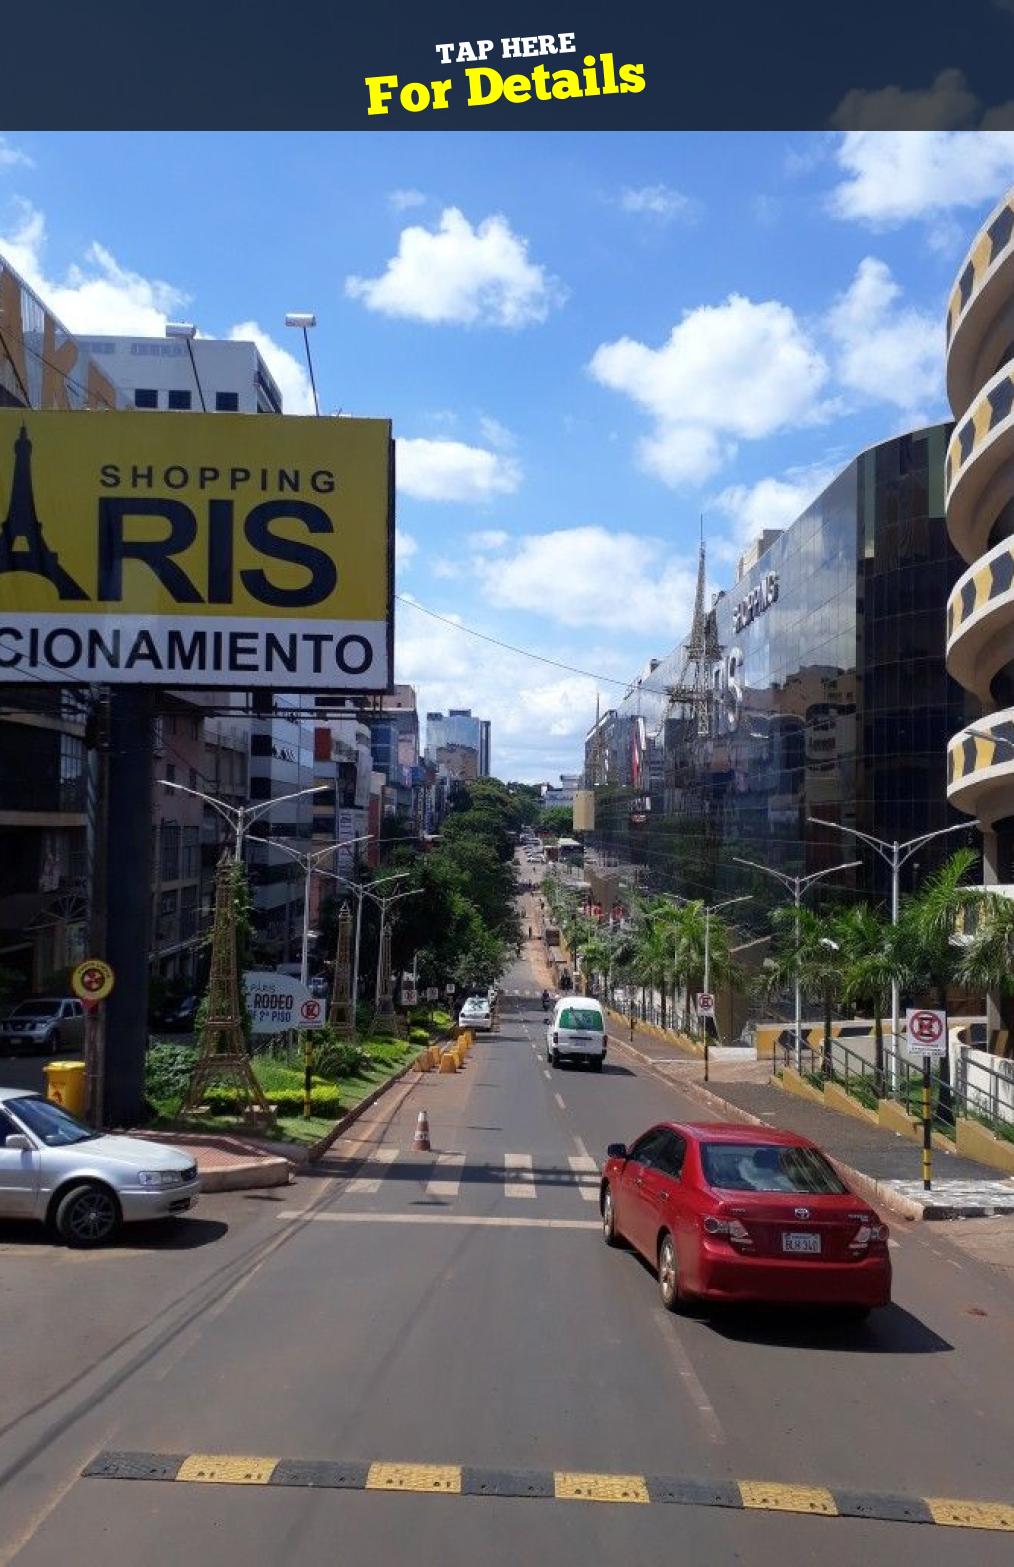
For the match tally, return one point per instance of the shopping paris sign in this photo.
(230, 550)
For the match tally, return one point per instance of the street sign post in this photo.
(449, 990)
(432, 993)
(92, 982)
(706, 1009)
(409, 994)
(926, 1035)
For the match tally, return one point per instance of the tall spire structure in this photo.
(693, 689)
(22, 546)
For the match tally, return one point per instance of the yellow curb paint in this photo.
(414, 1477)
(956, 1514)
(787, 1498)
(571, 1486)
(226, 1469)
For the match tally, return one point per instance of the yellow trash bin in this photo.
(65, 1085)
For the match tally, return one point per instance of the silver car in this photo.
(83, 1183)
(43, 1026)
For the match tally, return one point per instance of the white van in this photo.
(577, 1032)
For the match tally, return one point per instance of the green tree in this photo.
(821, 961)
(875, 957)
(556, 819)
(929, 921)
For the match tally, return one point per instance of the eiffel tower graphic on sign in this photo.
(22, 546)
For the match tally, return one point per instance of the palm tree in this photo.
(652, 964)
(820, 958)
(928, 924)
(987, 962)
(875, 957)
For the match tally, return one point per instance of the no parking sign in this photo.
(927, 1031)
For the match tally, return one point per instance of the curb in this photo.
(269, 1171)
(318, 1149)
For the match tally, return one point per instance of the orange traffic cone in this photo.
(421, 1140)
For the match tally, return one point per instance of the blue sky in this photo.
(584, 341)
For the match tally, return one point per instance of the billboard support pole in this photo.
(129, 769)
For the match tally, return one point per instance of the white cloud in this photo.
(405, 546)
(589, 576)
(659, 201)
(497, 434)
(892, 177)
(539, 715)
(12, 157)
(293, 381)
(884, 351)
(488, 540)
(96, 296)
(451, 471)
(460, 274)
(402, 200)
(737, 370)
(768, 503)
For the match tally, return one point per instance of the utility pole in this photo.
(97, 931)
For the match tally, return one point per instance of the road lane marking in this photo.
(519, 1165)
(688, 1376)
(586, 1173)
(559, 1100)
(479, 1220)
(446, 1186)
(369, 1185)
(582, 1150)
(562, 1485)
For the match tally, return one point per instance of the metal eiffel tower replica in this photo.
(22, 546)
(693, 689)
(385, 1019)
(222, 1051)
(342, 1016)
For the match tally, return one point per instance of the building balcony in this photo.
(980, 622)
(980, 315)
(979, 471)
(980, 768)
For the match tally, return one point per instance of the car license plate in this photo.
(801, 1243)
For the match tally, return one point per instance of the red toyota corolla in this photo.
(744, 1213)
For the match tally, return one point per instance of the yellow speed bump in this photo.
(414, 1477)
(226, 1469)
(787, 1498)
(971, 1515)
(575, 1487)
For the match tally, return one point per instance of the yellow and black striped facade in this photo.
(979, 495)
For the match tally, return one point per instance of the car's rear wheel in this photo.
(669, 1274)
(53, 1042)
(596, 1063)
(610, 1234)
(853, 1314)
(87, 1215)
(555, 1058)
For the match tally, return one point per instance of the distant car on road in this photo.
(83, 1183)
(179, 1018)
(742, 1213)
(43, 1026)
(318, 985)
(476, 1013)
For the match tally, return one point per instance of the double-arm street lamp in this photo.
(359, 892)
(895, 855)
(797, 885)
(310, 863)
(383, 904)
(239, 817)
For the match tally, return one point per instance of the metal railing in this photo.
(987, 1100)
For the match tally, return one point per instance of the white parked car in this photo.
(476, 1014)
(85, 1184)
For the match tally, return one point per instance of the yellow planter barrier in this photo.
(448, 1062)
(977, 1142)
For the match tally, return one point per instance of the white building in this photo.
(156, 373)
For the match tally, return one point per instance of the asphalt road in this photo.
(459, 1308)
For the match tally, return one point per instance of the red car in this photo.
(744, 1213)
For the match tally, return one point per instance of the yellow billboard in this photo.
(230, 550)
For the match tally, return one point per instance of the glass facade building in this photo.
(824, 693)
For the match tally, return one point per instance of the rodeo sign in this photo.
(277, 1002)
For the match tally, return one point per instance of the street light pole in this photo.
(797, 885)
(240, 817)
(895, 855)
(358, 890)
(309, 864)
(304, 319)
(382, 904)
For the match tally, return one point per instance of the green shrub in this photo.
(223, 1099)
(418, 1036)
(167, 1070)
(334, 1057)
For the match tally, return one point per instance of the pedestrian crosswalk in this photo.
(520, 1176)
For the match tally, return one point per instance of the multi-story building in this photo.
(562, 795)
(823, 693)
(979, 481)
(48, 774)
(281, 763)
(157, 373)
(459, 729)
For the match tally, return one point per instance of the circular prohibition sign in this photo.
(926, 1028)
(92, 980)
(310, 1011)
